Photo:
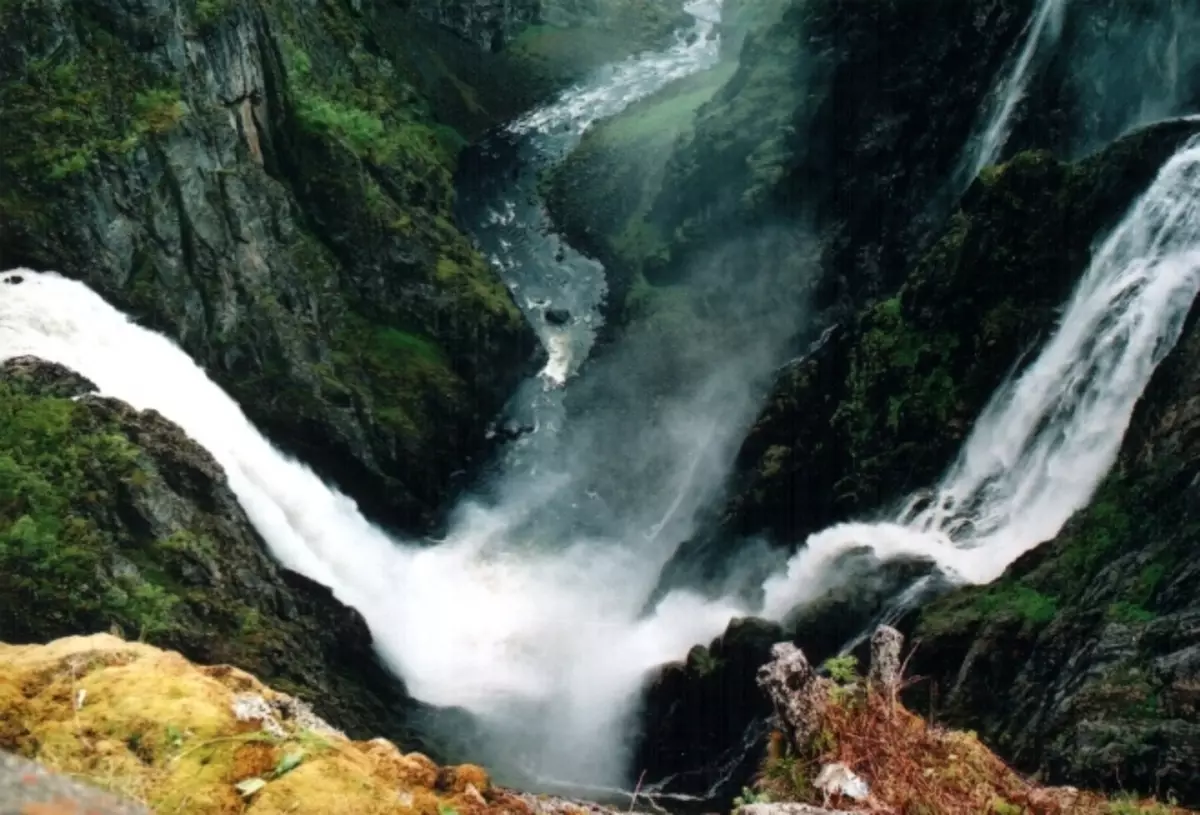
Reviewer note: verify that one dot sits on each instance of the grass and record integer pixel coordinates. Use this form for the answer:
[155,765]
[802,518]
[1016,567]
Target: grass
[60,466]
[912,767]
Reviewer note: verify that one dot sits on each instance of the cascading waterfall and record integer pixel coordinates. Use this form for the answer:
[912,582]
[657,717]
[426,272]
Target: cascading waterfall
[1047,439]
[542,636]
[553,640]
[1045,24]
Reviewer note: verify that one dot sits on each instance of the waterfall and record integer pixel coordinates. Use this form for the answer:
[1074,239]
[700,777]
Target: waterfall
[1048,437]
[1045,24]
[547,646]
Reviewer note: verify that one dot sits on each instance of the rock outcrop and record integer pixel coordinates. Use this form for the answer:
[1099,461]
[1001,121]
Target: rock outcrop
[212,739]
[879,409]
[1091,643]
[488,24]
[113,519]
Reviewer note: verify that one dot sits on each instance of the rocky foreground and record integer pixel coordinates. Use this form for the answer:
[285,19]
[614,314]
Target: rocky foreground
[161,732]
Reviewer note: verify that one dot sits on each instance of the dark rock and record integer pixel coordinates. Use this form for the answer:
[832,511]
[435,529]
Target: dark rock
[697,715]
[130,524]
[212,192]
[558,316]
[827,446]
[13,279]
[41,378]
[1081,662]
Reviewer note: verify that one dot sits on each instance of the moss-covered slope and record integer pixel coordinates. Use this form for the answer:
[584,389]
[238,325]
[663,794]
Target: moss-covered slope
[111,519]
[214,740]
[1081,661]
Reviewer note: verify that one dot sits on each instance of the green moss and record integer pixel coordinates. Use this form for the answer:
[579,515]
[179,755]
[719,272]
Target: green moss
[1127,612]
[1004,600]
[59,468]
[405,376]
[208,12]
[61,113]
[899,375]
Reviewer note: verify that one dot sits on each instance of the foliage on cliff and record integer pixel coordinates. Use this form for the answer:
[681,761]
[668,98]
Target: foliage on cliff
[910,766]
[271,187]
[111,519]
[879,410]
[211,740]
[1088,642]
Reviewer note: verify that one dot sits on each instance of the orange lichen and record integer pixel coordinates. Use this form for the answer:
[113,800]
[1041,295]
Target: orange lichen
[149,725]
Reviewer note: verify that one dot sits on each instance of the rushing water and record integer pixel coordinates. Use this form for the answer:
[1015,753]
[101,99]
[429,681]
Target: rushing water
[1044,26]
[548,646]
[1047,439]
[529,615]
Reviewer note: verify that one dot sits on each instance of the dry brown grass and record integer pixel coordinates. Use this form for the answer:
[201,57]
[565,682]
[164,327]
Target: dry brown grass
[914,768]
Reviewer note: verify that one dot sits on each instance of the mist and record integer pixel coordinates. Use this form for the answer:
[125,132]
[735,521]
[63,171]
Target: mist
[548,570]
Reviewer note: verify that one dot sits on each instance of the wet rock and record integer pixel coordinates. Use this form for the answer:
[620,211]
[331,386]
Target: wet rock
[1090,644]
[788,809]
[318,279]
[824,448]
[41,378]
[558,316]
[13,279]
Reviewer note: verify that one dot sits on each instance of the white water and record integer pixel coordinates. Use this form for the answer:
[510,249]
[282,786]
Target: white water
[616,87]
[544,640]
[1047,439]
[1045,25]
[547,646]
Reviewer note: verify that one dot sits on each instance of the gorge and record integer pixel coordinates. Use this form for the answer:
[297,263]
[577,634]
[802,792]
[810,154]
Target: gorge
[766,409]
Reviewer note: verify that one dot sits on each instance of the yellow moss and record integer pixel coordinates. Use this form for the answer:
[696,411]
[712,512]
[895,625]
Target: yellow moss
[156,728]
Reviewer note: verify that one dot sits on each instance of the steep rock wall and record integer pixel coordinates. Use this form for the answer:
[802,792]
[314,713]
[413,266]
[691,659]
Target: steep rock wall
[258,181]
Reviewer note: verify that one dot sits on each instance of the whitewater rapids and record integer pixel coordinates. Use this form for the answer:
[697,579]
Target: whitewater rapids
[508,634]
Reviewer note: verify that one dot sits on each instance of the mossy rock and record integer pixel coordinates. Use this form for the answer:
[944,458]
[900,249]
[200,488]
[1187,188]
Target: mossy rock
[111,519]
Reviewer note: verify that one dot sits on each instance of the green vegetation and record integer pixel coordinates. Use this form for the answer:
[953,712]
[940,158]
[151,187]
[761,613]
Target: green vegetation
[907,368]
[64,111]
[1000,601]
[409,371]
[208,12]
[60,467]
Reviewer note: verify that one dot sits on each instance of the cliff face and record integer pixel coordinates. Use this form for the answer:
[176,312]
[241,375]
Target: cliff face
[878,411]
[882,406]
[265,185]
[848,114]
[114,519]
[488,24]
[1091,643]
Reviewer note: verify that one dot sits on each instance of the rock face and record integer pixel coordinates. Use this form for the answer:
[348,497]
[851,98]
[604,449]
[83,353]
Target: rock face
[26,788]
[114,519]
[268,185]
[1091,643]
[850,114]
[489,24]
[879,410]
[1113,66]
